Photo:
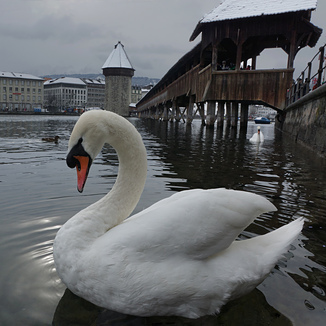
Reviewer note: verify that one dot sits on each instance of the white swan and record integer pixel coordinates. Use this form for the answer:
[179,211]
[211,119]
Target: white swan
[178,257]
[257,137]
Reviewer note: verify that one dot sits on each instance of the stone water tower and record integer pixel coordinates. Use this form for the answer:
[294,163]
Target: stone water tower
[118,72]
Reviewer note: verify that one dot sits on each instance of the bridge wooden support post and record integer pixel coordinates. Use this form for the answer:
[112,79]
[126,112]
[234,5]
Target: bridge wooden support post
[210,118]
[214,56]
[190,111]
[234,114]
[157,112]
[174,110]
[165,112]
[244,117]
[228,114]
[178,114]
[152,112]
[220,114]
[201,110]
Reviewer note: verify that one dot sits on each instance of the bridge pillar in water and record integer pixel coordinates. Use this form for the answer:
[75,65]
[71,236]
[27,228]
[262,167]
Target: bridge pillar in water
[201,107]
[220,114]
[177,113]
[157,112]
[234,114]
[210,117]
[165,112]
[173,110]
[190,110]
[244,116]
[228,114]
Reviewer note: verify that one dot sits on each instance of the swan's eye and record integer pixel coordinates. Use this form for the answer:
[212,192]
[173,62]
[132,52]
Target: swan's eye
[77,150]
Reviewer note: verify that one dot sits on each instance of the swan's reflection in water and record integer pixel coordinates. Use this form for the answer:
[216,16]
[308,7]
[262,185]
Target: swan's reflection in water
[251,309]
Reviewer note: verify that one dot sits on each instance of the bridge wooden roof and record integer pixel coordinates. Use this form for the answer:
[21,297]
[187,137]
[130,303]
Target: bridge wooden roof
[239,9]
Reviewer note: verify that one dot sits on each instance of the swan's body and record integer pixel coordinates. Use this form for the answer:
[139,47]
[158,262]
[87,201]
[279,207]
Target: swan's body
[257,137]
[178,257]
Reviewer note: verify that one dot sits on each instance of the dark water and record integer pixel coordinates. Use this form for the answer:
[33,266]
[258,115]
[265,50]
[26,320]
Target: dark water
[38,194]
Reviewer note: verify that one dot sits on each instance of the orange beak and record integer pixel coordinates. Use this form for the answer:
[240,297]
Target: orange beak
[82,171]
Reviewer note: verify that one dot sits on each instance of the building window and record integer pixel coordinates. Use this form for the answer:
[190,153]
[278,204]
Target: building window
[4,81]
[28,90]
[10,89]
[16,89]
[23,98]
[4,88]
[16,82]
[39,98]
[34,83]
[23,89]
[28,98]
[5,97]
[28,83]
[23,82]
[10,81]
[16,97]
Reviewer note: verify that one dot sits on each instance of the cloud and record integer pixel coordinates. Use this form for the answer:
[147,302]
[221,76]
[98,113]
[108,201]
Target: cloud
[49,28]
[57,36]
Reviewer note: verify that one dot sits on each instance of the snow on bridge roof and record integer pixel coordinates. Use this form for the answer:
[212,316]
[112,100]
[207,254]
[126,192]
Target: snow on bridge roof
[234,9]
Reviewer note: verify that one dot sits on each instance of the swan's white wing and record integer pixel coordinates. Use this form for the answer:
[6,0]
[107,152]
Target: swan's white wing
[194,223]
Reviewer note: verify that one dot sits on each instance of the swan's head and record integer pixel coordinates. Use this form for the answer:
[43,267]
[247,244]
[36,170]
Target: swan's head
[258,130]
[86,141]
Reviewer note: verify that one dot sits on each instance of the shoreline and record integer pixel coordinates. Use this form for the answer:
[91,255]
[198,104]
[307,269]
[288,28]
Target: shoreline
[40,113]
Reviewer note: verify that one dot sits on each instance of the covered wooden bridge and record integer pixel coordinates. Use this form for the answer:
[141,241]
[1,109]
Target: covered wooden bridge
[216,74]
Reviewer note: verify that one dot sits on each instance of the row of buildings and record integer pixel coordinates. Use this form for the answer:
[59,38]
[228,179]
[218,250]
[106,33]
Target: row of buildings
[25,92]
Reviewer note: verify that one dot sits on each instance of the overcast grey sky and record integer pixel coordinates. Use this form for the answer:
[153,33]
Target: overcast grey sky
[76,36]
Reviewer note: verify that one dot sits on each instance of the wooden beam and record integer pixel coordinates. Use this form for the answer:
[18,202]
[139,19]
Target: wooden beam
[210,118]
[293,49]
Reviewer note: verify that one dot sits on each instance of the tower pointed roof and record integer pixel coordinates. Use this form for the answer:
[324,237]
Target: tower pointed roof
[118,58]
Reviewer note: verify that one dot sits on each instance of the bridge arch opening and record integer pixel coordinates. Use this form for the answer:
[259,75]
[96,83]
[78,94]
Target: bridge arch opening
[272,59]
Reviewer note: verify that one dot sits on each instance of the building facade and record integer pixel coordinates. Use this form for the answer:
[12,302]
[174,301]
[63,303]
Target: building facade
[136,94]
[20,92]
[65,94]
[95,92]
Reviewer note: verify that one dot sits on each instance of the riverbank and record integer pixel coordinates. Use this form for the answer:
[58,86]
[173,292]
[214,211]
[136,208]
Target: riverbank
[38,113]
[305,120]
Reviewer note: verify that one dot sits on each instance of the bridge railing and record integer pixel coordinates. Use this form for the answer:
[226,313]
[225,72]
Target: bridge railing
[307,82]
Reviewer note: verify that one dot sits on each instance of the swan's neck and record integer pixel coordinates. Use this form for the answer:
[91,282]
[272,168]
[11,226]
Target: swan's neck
[119,203]
[95,220]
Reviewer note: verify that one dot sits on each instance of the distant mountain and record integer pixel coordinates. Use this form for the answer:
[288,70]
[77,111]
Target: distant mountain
[144,81]
[136,81]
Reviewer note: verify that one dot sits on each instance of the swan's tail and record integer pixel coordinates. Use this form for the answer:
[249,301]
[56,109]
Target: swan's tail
[271,246]
[253,259]
[281,238]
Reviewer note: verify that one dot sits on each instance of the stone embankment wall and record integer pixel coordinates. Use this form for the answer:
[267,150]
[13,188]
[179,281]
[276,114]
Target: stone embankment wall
[305,120]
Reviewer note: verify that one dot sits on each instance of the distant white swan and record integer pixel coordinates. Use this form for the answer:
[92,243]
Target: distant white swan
[177,257]
[257,137]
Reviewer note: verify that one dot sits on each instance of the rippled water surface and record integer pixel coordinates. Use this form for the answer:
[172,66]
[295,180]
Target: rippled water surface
[38,194]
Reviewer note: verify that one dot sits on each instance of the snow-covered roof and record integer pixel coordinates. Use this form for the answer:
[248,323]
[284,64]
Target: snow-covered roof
[118,58]
[99,81]
[65,80]
[235,9]
[18,75]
